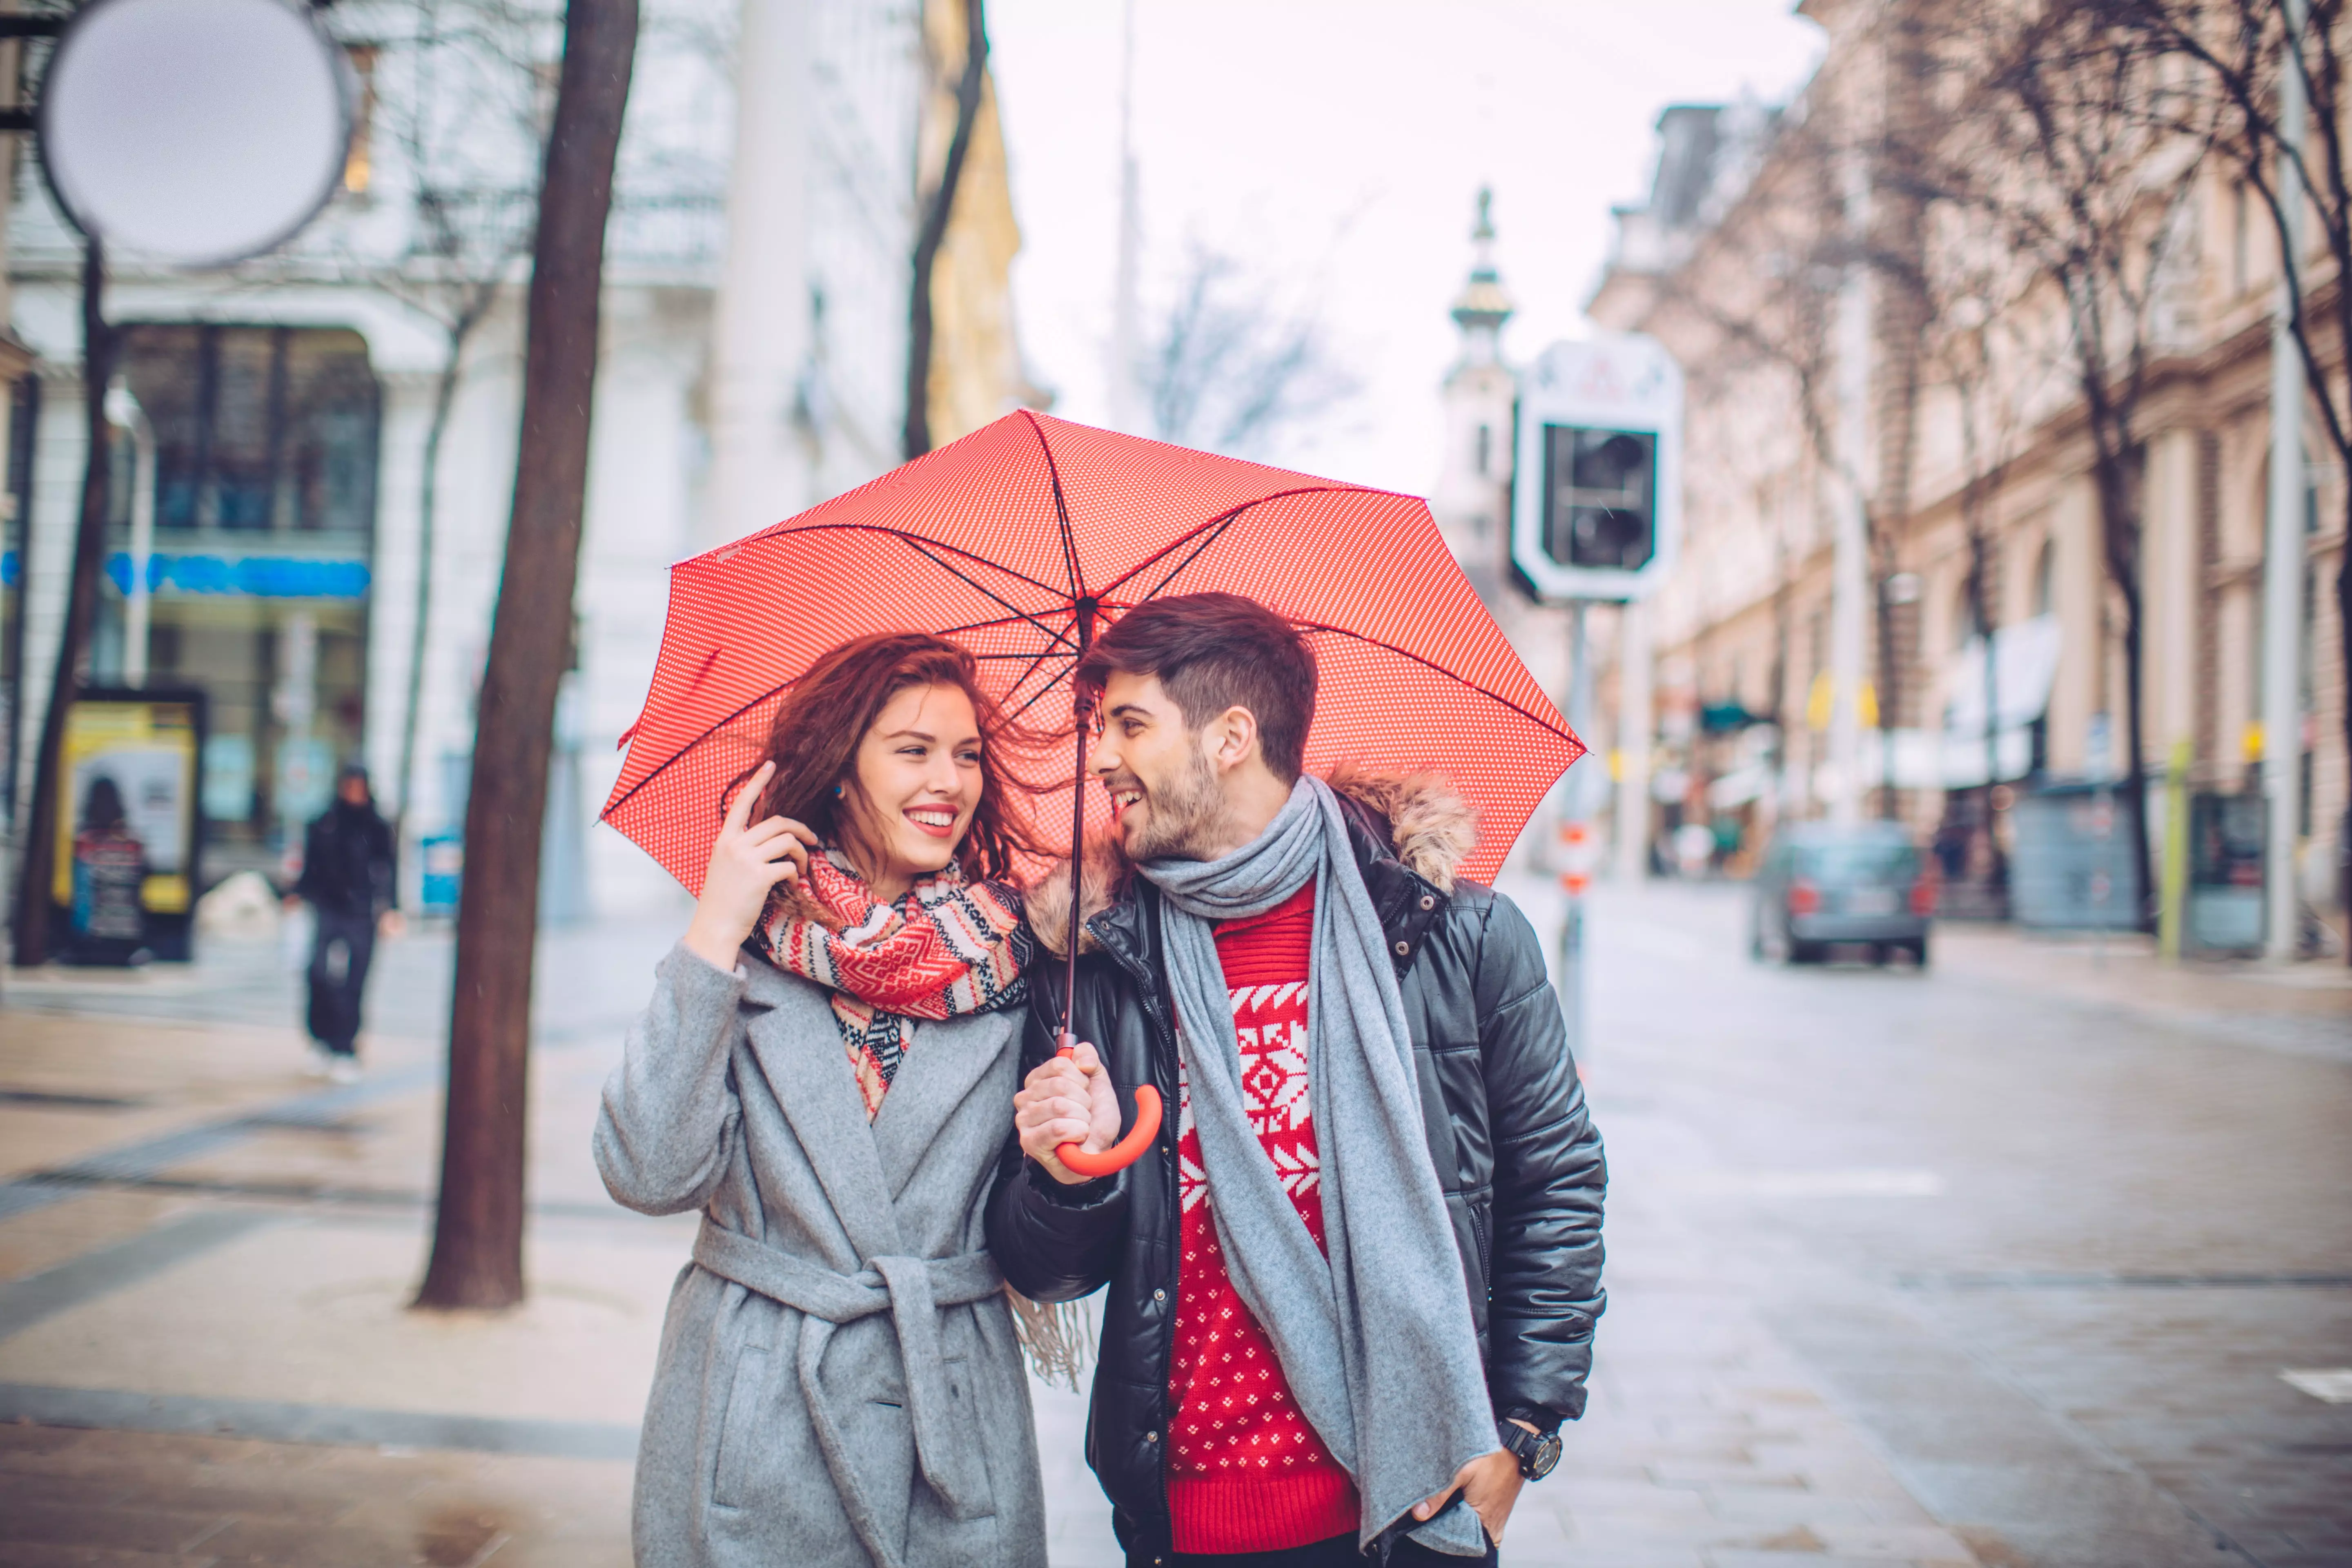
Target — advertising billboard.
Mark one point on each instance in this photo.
(125, 878)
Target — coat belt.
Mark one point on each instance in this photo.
(912, 1290)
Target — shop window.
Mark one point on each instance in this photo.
(266, 452)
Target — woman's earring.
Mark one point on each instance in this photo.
(840, 791)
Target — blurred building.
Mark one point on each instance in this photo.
(753, 362)
(1472, 497)
(1979, 498)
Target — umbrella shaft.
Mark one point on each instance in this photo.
(1081, 710)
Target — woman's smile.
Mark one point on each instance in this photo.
(938, 821)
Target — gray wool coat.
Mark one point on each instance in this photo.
(839, 1382)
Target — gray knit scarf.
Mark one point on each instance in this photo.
(1377, 1343)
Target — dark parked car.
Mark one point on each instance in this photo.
(1824, 886)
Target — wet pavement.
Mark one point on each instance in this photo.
(2046, 1224)
(1997, 1264)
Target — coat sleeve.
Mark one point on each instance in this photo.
(1054, 1242)
(670, 1119)
(386, 871)
(1549, 1179)
(306, 882)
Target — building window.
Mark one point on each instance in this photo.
(1485, 448)
(2046, 578)
(258, 427)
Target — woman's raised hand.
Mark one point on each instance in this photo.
(748, 861)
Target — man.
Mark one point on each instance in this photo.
(1353, 1284)
(347, 876)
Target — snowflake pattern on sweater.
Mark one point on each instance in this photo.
(1236, 1420)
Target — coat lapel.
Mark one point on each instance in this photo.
(798, 1047)
(942, 1066)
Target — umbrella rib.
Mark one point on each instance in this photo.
(1034, 665)
(1041, 691)
(1053, 639)
(1431, 664)
(913, 539)
(1061, 509)
(1222, 518)
(918, 547)
(666, 763)
(1208, 537)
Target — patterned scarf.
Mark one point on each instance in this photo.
(946, 949)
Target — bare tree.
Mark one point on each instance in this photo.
(2043, 125)
(1779, 322)
(1978, 301)
(455, 96)
(1234, 370)
(938, 209)
(2241, 50)
(477, 1238)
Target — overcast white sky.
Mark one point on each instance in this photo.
(1335, 146)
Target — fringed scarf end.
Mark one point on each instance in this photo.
(1057, 1337)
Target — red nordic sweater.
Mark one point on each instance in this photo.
(1246, 1472)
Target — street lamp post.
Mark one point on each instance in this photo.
(2282, 545)
(122, 412)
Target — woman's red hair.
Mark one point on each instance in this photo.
(815, 738)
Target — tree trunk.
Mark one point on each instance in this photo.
(477, 1238)
(2120, 538)
(2344, 652)
(2135, 762)
(37, 865)
(918, 432)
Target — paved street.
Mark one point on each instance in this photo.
(1998, 1264)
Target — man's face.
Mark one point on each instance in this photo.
(353, 790)
(1166, 800)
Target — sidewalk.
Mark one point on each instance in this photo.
(205, 1257)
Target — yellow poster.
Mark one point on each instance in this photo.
(130, 774)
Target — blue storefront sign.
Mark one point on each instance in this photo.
(248, 576)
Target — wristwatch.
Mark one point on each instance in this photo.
(1536, 1452)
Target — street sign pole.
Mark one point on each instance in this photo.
(1576, 838)
(1596, 517)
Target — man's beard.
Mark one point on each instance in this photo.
(1184, 818)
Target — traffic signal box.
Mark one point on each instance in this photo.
(1596, 513)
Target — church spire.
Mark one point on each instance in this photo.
(1483, 306)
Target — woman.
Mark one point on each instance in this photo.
(824, 1071)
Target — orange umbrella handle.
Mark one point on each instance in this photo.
(1127, 1150)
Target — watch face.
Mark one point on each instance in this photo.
(1546, 1456)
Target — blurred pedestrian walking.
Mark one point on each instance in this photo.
(349, 880)
(824, 1071)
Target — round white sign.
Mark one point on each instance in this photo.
(196, 132)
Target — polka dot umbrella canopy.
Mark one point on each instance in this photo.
(1031, 534)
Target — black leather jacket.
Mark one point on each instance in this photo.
(1514, 1148)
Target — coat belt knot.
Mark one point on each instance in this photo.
(912, 1290)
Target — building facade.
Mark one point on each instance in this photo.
(332, 601)
(1994, 666)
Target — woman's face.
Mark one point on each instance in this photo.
(917, 784)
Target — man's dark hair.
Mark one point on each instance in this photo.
(1215, 651)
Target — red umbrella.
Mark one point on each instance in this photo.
(1025, 538)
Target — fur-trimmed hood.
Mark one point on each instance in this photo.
(1431, 826)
